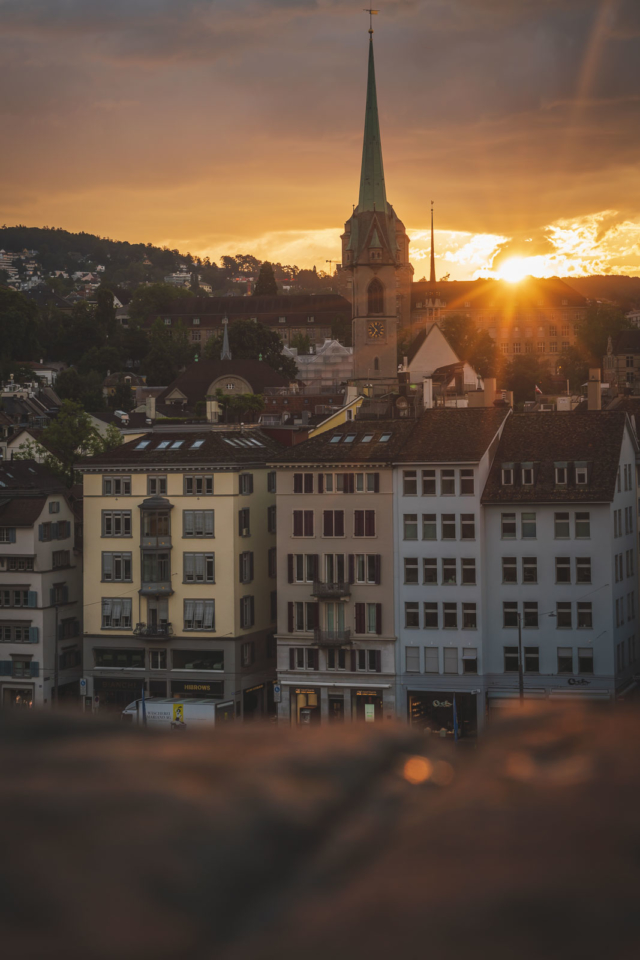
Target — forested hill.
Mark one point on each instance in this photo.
(619, 289)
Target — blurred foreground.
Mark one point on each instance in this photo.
(323, 843)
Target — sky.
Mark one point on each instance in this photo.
(235, 126)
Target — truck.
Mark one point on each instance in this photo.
(178, 714)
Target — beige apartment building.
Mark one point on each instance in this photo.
(336, 628)
(180, 570)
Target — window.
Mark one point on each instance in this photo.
(54, 506)
(585, 660)
(585, 615)
(302, 482)
(527, 474)
(116, 523)
(563, 570)
(581, 475)
(449, 571)
(271, 482)
(364, 523)
(157, 486)
(447, 483)
(510, 659)
(412, 614)
(412, 659)
(468, 571)
(583, 569)
(304, 658)
(431, 660)
(60, 558)
(248, 653)
(509, 570)
(540, 346)
(450, 659)
(528, 526)
(467, 526)
(532, 660)
(411, 570)
(246, 483)
(198, 660)
(561, 526)
(410, 483)
(429, 570)
(197, 523)
(158, 659)
(246, 612)
(271, 519)
(116, 566)
(116, 486)
(20, 565)
(7, 534)
(116, 614)
(469, 617)
(448, 526)
(333, 523)
(244, 522)
(373, 613)
(563, 615)
(467, 485)
(126, 659)
(561, 474)
(508, 526)
(198, 486)
(507, 475)
(431, 619)
(429, 528)
(199, 567)
(583, 526)
(375, 297)
(565, 659)
(246, 566)
(469, 660)
(428, 483)
(450, 616)
(509, 614)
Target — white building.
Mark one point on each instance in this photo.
(40, 588)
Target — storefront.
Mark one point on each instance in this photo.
(21, 697)
(305, 705)
(439, 713)
(366, 705)
(197, 689)
(116, 693)
(253, 702)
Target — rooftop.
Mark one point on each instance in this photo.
(187, 448)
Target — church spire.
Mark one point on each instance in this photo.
(432, 278)
(372, 192)
(226, 350)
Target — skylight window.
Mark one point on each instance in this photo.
(176, 445)
(336, 439)
(164, 444)
(350, 438)
(143, 444)
(384, 438)
(368, 437)
(231, 443)
(196, 444)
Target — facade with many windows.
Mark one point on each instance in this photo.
(180, 571)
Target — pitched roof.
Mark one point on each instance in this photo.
(21, 511)
(297, 306)
(207, 448)
(198, 377)
(27, 475)
(546, 439)
(326, 449)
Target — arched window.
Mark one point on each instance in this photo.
(376, 363)
(376, 297)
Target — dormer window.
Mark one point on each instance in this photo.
(282, 319)
(167, 321)
(561, 474)
(507, 474)
(196, 321)
(527, 474)
(582, 474)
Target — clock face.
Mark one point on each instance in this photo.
(375, 330)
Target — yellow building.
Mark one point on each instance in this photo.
(180, 569)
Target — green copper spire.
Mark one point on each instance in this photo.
(372, 192)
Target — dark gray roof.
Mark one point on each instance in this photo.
(594, 438)
(20, 511)
(27, 475)
(198, 448)
(325, 449)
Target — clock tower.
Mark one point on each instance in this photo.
(375, 252)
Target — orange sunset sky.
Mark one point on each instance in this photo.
(234, 126)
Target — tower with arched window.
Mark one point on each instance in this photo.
(375, 252)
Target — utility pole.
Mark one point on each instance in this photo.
(520, 665)
(54, 698)
(332, 262)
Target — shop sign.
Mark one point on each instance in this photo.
(442, 703)
(367, 693)
(260, 686)
(578, 682)
(305, 690)
(104, 684)
(214, 689)
(369, 712)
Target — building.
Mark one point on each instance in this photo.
(621, 364)
(205, 377)
(326, 367)
(336, 625)
(440, 565)
(40, 588)
(560, 551)
(180, 571)
(431, 352)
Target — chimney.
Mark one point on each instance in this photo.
(150, 408)
(427, 393)
(594, 390)
(489, 391)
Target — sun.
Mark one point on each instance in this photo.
(514, 269)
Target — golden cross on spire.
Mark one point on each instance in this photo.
(371, 13)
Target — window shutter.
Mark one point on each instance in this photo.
(351, 483)
(106, 609)
(297, 483)
(297, 523)
(250, 483)
(188, 610)
(327, 523)
(378, 654)
(352, 568)
(32, 599)
(5, 668)
(198, 610)
(290, 618)
(369, 523)
(208, 523)
(292, 657)
(40, 531)
(358, 523)
(377, 567)
(208, 614)
(308, 523)
(339, 523)
(251, 567)
(378, 618)
(241, 565)
(34, 668)
(353, 661)
(34, 635)
(12, 534)
(126, 612)
(360, 615)
(117, 610)
(52, 596)
(376, 483)
(315, 564)
(315, 616)
(290, 567)
(313, 659)
(321, 483)
(187, 522)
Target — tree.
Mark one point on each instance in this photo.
(111, 439)
(602, 320)
(302, 343)
(522, 374)
(85, 389)
(472, 345)
(160, 363)
(250, 340)
(342, 330)
(104, 360)
(134, 343)
(573, 367)
(157, 298)
(61, 443)
(105, 311)
(266, 285)
(122, 398)
(19, 325)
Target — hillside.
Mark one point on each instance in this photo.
(620, 289)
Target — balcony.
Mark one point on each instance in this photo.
(331, 638)
(331, 591)
(156, 588)
(153, 631)
(156, 542)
